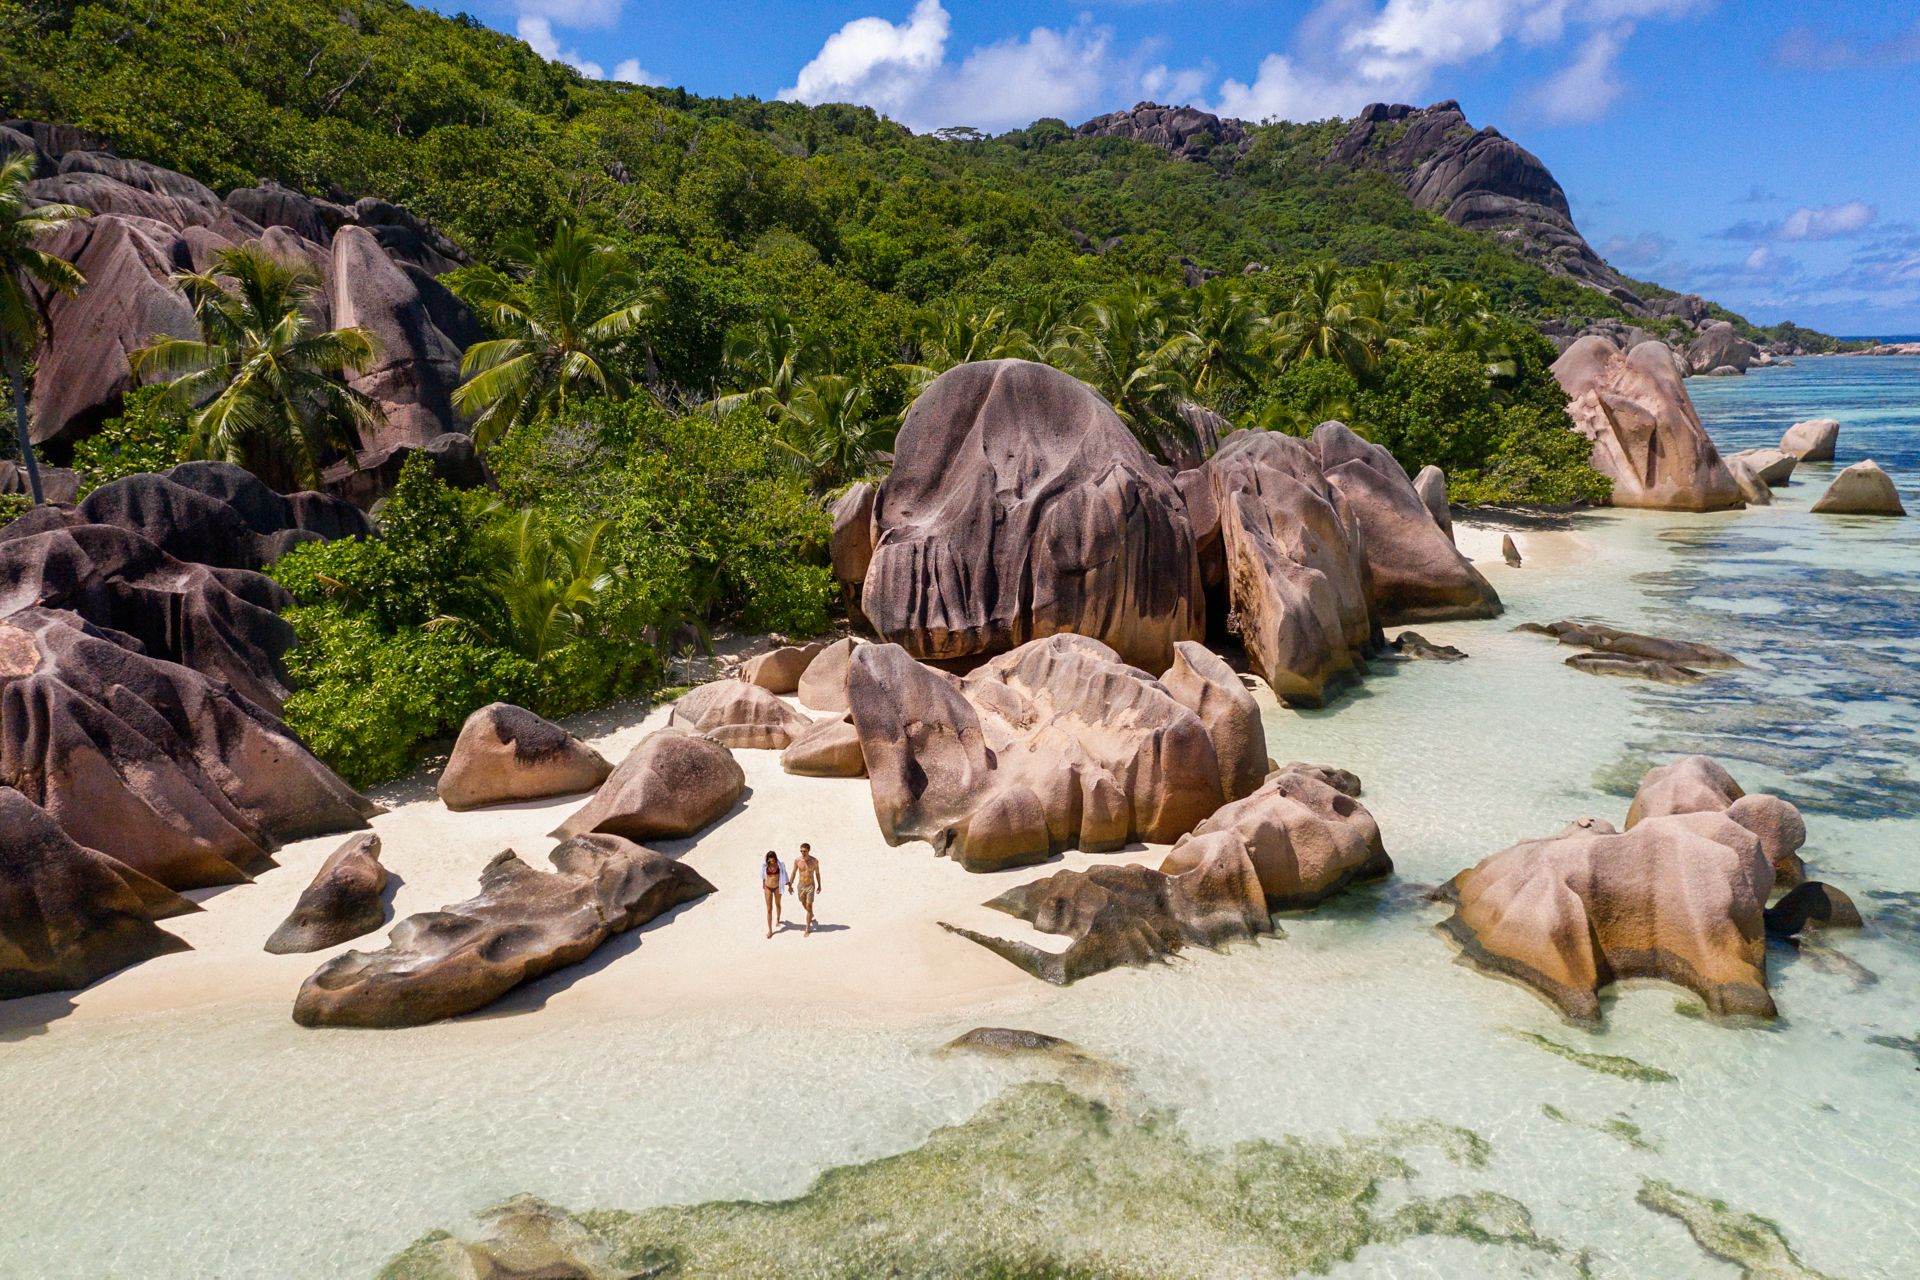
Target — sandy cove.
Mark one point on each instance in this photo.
(881, 948)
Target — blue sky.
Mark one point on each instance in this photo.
(1758, 151)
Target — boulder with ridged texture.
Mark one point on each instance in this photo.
(70, 914)
(1057, 744)
(1646, 436)
(1020, 506)
(1203, 683)
(523, 924)
(1130, 915)
(1813, 440)
(179, 777)
(1295, 564)
(672, 783)
(1863, 489)
(738, 714)
(1701, 784)
(342, 903)
(779, 670)
(1306, 838)
(507, 753)
(418, 365)
(1678, 898)
(823, 685)
(1415, 572)
(830, 749)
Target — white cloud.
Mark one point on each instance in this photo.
(571, 13)
(538, 33)
(905, 70)
(1587, 87)
(1827, 222)
(1642, 250)
(1348, 53)
(1761, 259)
(632, 72)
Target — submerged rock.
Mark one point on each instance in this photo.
(672, 783)
(70, 914)
(1057, 744)
(1411, 644)
(523, 924)
(1605, 639)
(1813, 440)
(506, 753)
(1679, 895)
(342, 903)
(1131, 915)
(1620, 664)
(735, 713)
(1019, 505)
(1863, 489)
(1646, 436)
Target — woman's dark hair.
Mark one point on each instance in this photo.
(771, 854)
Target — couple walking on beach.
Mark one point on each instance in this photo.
(804, 883)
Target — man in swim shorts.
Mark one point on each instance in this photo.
(806, 880)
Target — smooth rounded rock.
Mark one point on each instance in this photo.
(672, 783)
(507, 753)
(1863, 489)
(1813, 440)
(342, 903)
(738, 714)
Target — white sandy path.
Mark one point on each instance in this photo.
(883, 952)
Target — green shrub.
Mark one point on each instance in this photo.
(145, 437)
(13, 506)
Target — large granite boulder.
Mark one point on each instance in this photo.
(1863, 489)
(1203, 683)
(851, 548)
(506, 753)
(1020, 506)
(57, 484)
(830, 749)
(823, 685)
(342, 903)
(69, 914)
(1295, 561)
(371, 474)
(1774, 466)
(418, 364)
(1431, 485)
(1415, 573)
(1813, 440)
(1130, 915)
(523, 924)
(1720, 346)
(177, 776)
(779, 670)
(1057, 744)
(672, 783)
(1754, 491)
(1646, 436)
(1679, 895)
(738, 714)
(1306, 838)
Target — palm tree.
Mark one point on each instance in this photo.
(1228, 333)
(544, 588)
(259, 386)
(1124, 347)
(767, 361)
(564, 314)
(1323, 321)
(830, 426)
(22, 268)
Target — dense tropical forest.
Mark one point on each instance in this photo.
(708, 317)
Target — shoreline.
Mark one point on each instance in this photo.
(881, 954)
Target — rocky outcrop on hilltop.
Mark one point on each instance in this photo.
(1481, 180)
(1186, 132)
(147, 223)
(523, 923)
(1058, 744)
(1680, 895)
(1646, 436)
(1019, 505)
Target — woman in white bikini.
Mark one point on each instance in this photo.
(773, 881)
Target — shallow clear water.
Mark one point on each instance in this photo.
(229, 1142)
